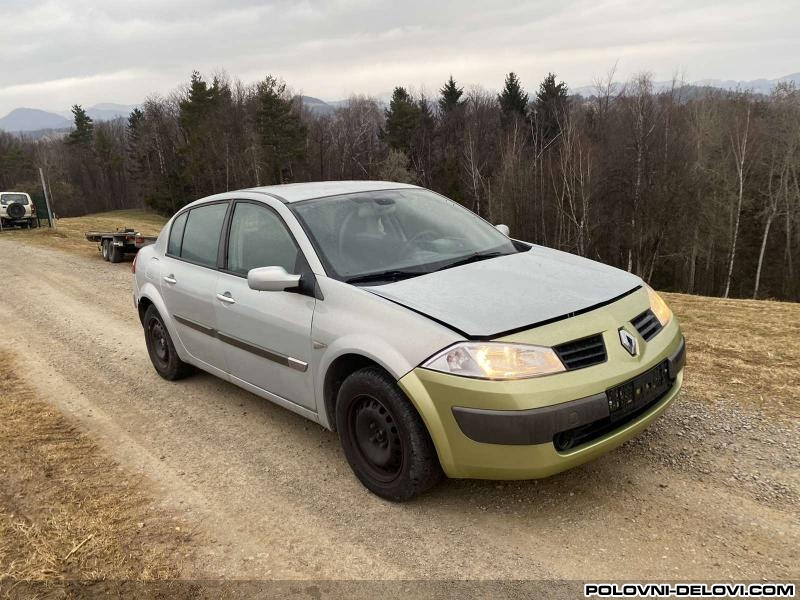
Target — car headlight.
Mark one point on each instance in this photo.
(496, 360)
(659, 307)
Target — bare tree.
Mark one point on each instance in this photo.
(643, 122)
(739, 137)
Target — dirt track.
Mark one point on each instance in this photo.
(709, 492)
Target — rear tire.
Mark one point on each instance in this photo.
(161, 349)
(104, 249)
(384, 439)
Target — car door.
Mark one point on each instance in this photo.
(266, 335)
(189, 280)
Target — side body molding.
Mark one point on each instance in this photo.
(266, 353)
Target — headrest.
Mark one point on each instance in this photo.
(375, 210)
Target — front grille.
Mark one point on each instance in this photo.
(582, 353)
(647, 324)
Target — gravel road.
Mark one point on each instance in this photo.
(709, 492)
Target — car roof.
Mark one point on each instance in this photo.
(295, 192)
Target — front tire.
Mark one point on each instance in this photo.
(161, 349)
(383, 437)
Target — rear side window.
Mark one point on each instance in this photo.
(201, 234)
(176, 235)
(260, 239)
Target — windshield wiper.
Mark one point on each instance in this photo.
(478, 256)
(384, 276)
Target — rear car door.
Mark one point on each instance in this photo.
(266, 335)
(189, 279)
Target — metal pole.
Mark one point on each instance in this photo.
(47, 200)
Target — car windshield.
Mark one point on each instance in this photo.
(375, 237)
(9, 198)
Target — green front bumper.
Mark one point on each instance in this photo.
(435, 395)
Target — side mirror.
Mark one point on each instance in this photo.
(271, 279)
(503, 229)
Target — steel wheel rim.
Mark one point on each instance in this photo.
(158, 340)
(376, 438)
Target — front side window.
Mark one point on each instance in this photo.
(391, 234)
(201, 234)
(259, 238)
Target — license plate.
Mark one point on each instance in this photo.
(639, 391)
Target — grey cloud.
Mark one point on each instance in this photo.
(114, 50)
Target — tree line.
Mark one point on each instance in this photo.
(693, 189)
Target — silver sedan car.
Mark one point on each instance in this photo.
(432, 342)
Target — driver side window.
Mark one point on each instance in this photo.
(259, 238)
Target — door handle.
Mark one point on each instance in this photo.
(170, 279)
(226, 298)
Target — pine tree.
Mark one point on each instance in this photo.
(425, 119)
(513, 100)
(199, 118)
(402, 121)
(135, 120)
(281, 131)
(84, 128)
(200, 101)
(450, 97)
(134, 127)
(550, 105)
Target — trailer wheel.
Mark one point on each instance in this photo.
(114, 253)
(104, 249)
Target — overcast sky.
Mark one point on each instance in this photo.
(57, 53)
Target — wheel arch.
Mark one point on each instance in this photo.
(142, 306)
(340, 369)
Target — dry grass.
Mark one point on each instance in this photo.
(67, 511)
(69, 235)
(747, 351)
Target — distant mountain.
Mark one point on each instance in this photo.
(759, 86)
(32, 119)
(26, 120)
(325, 107)
(316, 105)
(105, 111)
(108, 111)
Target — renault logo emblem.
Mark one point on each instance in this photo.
(628, 342)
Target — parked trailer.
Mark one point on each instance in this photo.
(114, 245)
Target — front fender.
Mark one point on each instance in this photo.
(370, 347)
(351, 320)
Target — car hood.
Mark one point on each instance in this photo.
(497, 296)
